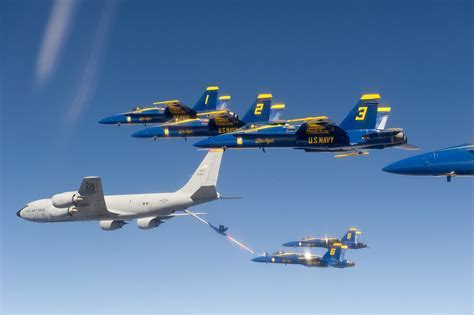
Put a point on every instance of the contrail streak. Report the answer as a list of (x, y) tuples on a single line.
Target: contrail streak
[(54, 38)]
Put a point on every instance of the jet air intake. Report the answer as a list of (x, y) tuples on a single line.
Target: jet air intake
[(66, 199)]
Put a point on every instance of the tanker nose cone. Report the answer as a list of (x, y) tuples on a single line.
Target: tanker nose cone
[(18, 213)]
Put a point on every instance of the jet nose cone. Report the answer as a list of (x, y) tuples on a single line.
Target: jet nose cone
[(149, 133), (260, 259), (395, 168), (290, 244), (213, 142), (113, 120), (206, 143), (410, 166)]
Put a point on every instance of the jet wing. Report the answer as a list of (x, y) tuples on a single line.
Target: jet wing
[(91, 191)]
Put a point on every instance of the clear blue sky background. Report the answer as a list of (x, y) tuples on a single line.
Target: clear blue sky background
[(316, 56)]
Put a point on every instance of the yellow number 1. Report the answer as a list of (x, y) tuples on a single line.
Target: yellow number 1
[(362, 112), (258, 109)]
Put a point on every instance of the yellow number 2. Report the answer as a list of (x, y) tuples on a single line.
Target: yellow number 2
[(362, 111), (258, 109)]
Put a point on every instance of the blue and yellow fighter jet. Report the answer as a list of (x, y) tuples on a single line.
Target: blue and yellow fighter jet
[(350, 239), (357, 131), (334, 257), (449, 162), (215, 122), (166, 110)]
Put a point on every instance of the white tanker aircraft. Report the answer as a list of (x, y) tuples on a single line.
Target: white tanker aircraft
[(113, 212)]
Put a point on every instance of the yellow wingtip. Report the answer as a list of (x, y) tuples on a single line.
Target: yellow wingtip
[(224, 98)]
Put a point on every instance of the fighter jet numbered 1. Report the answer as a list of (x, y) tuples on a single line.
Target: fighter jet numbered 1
[(163, 111)]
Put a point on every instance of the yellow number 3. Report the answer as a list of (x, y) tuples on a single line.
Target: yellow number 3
[(361, 113), (258, 109)]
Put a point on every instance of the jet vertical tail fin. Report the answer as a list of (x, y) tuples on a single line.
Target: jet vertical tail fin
[(335, 252), (260, 109), (202, 184), (352, 236), (208, 100), (364, 113), (382, 117)]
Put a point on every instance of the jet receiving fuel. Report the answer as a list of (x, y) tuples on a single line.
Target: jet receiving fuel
[(358, 131), (350, 239), (166, 110), (113, 212), (215, 123), (334, 257), (449, 162)]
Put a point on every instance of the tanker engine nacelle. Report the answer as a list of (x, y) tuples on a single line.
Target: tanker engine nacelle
[(62, 212), (110, 225), (66, 199), (148, 223)]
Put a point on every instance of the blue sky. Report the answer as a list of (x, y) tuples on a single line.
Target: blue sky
[(68, 64)]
